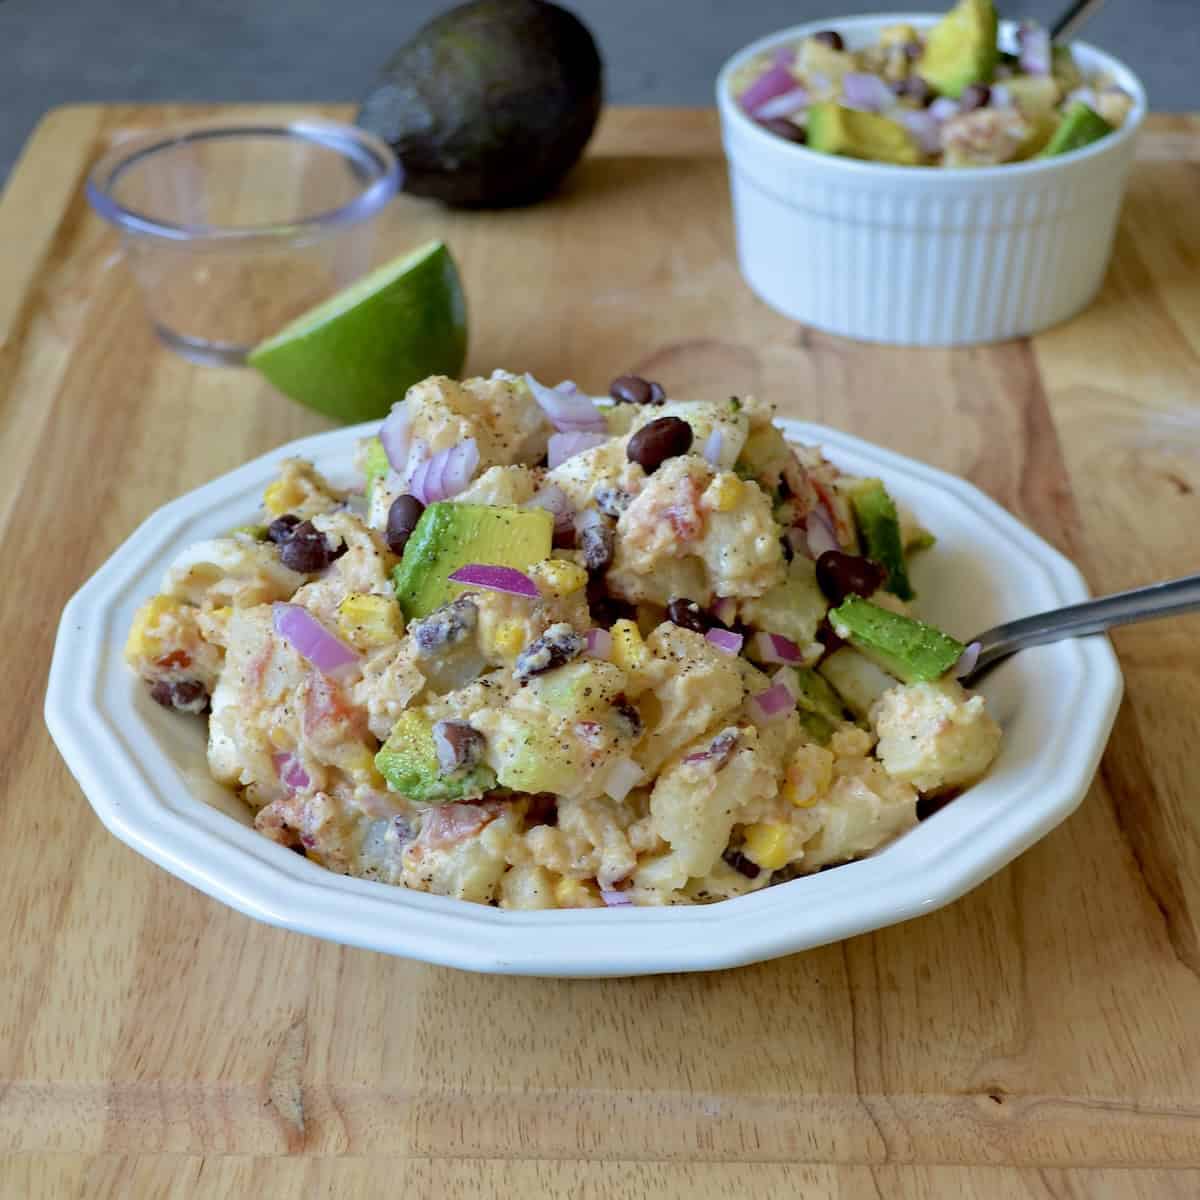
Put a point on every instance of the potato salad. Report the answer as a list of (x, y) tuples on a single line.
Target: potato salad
[(557, 651)]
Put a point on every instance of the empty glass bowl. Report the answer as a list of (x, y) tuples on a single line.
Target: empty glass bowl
[(231, 230)]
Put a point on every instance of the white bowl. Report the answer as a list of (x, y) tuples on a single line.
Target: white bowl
[(924, 256), (143, 768)]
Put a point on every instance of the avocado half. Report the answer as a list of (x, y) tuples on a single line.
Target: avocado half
[(490, 104)]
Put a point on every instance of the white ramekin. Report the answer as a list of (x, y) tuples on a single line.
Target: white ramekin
[(918, 255)]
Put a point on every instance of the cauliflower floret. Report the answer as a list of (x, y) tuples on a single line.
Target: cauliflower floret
[(985, 136), (230, 571), (511, 486), (391, 681), (602, 472), (461, 850), (934, 735), (301, 490)]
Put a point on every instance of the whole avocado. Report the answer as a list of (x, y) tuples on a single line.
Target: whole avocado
[(490, 104)]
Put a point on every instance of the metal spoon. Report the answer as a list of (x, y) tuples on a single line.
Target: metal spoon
[(1074, 18), (1093, 616)]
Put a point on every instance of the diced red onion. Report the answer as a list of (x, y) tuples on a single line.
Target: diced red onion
[(445, 474), (721, 748), (623, 775), (712, 447), (999, 96), (925, 128), (771, 83), (599, 643), (775, 648), (773, 704), (967, 660), (1033, 49), (782, 106), (725, 610), (784, 56), (496, 579), (819, 531), (615, 899), (569, 412), (566, 445), (943, 108), (785, 677), (291, 774), (866, 92), (725, 640), (396, 435), (312, 641), (558, 504)]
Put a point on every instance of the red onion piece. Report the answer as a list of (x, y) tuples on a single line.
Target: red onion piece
[(396, 435), (1000, 97), (725, 640), (925, 128), (566, 445), (312, 641), (599, 643), (784, 56), (786, 678), (943, 108), (712, 447), (967, 660), (291, 774), (866, 92), (615, 899), (623, 775), (818, 527), (771, 83), (725, 610), (496, 579), (775, 648), (783, 106), (445, 474), (569, 412), (773, 704), (1033, 49), (720, 748)]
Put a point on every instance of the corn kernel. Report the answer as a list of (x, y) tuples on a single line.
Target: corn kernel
[(559, 578), (725, 492), (141, 643), (359, 763), (509, 638), (281, 497), (768, 845), (574, 893), (628, 650), (809, 776), (365, 620)]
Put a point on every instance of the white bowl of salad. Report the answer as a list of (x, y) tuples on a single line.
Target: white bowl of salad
[(519, 682), (926, 180)]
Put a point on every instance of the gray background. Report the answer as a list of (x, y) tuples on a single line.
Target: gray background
[(657, 51)]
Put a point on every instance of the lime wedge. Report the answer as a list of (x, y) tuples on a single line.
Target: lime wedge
[(357, 353)]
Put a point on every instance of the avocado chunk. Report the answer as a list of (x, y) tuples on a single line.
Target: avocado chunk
[(449, 536), (531, 758), (490, 104), (794, 608), (833, 129), (908, 649), (375, 464), (961, 48), (856, 679), (1079, 126), (879, 528), (409, 763)]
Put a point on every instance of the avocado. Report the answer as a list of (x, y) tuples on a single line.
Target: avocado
[(961, 48), (408, 761), (490, 104), (879, 528), (583, 690), (449, 536), (531, 759), (820, 729), (833, 129), (856, 679), (814, 695), (375, 464), (1079, 126), (908, 649)]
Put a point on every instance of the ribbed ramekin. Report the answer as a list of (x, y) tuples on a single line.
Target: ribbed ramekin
[(924, 256)]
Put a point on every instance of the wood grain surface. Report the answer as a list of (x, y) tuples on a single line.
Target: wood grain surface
[(1039, 1038)]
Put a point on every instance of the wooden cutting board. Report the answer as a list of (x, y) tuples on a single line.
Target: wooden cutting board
[(1039, 1038)]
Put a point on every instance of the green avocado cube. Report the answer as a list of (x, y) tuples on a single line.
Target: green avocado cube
[(450, 535), (834, 129), (961, 48), (1079, 126), (408, 762), (879, 528), (908, 649)]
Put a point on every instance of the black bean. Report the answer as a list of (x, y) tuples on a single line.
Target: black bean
[(655, 442), (307, 550), (975, 96), (402, 519), (789, 130), (281, 528), (606, 610), (444, 627), (633, 389), (542, 810), (741, 864), (688, 615), (830, 38), (458, 745), (564, 536), (596, 541), (628, 716), (840, 575), (184, 695), (786, 547), (556, 647), (916, 90)]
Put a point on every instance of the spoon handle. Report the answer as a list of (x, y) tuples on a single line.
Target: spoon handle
[(1092, 616), (1074, 18)]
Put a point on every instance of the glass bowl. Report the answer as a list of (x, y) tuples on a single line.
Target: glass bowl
[(232, 230)]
